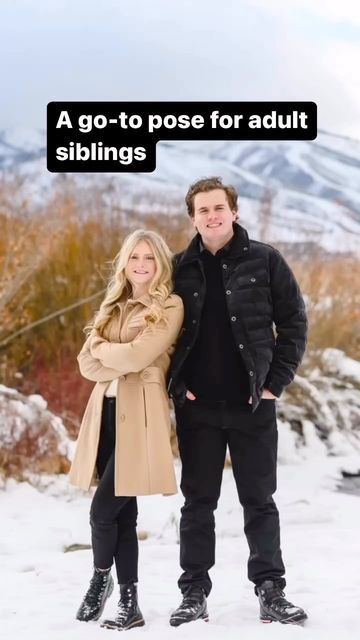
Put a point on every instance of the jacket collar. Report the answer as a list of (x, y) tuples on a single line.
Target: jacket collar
[(146, 300), (238, 246)]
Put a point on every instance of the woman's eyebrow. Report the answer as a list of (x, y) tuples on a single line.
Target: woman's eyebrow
[(147, 255)]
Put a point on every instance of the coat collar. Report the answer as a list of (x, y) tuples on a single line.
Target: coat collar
[(146, 300), (238, 245)]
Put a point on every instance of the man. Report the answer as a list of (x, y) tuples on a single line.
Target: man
[(226, 373)]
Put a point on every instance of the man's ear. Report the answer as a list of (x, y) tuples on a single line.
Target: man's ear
[(192, 218)]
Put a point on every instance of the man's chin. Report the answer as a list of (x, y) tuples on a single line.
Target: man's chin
[(215, 234)]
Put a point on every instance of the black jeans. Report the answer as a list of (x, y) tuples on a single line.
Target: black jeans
[(112, 518), (204, 432)]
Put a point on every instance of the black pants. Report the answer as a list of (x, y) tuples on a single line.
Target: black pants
[(204, 433), (112, 518)]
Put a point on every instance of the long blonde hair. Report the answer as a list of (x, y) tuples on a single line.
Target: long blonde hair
[(119, 287)]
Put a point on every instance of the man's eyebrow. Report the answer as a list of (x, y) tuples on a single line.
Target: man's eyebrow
[(216, 206)]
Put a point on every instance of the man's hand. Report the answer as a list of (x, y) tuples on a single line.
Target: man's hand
[(266, 395), (190, 396)]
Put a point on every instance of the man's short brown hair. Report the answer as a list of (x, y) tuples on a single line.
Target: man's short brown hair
[(209, 184)]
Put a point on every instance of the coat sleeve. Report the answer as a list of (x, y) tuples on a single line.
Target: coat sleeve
[(91, 368), (290, 322), (149, 344)]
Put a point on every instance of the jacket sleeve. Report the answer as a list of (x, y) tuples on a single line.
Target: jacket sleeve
[(149, 344), (91, 368), (290, 322)]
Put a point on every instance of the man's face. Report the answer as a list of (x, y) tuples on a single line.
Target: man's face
[(213, 217)]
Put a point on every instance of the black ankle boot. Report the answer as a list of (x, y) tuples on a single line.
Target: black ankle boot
[(128, 614), (192, 607), (275, 607), (100, 589)]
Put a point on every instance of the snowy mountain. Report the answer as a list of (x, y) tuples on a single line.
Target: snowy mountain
[(303, 191)]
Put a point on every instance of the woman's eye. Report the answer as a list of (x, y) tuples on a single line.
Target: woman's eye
[(150, 258)]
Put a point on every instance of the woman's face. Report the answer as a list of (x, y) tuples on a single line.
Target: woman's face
[(141, 266)]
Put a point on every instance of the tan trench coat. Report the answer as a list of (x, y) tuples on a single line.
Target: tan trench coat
[(139, 357)]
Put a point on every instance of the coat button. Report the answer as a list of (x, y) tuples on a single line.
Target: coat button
[(194, 321), (224, 266), (233, 318), (241, 346), (228, 292), (122, 378), (145, 375), (196, 294), (122, 417), (253, 279), (245, 249), (251, 373)]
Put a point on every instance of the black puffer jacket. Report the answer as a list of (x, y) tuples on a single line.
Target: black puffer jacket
[(260, 290)]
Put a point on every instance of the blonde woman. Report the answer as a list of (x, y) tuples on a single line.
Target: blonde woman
[(124, 439)]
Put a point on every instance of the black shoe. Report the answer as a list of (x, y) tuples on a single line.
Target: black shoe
[(100, 589), (275, 607), (193, 607), (128, 614)]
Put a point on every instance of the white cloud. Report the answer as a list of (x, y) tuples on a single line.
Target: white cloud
[(204, 50), (328, 10), (344, 64)]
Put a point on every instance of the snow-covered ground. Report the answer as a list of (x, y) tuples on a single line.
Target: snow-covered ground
[(41, 586)]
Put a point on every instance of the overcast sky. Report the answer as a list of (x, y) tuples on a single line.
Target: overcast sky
[(185, 50)]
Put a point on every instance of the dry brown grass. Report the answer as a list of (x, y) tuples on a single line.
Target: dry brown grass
[(331, 287)]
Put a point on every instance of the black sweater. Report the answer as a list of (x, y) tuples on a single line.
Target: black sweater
[(214, 370)]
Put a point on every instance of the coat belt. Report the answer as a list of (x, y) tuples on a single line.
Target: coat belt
[(150, 374)]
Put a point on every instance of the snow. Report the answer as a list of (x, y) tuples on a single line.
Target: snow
[(42, 586), (37, 399), (8, 390), (337, 362), (24, 417), (24, 138)]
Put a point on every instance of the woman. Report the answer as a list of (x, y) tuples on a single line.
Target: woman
[(124, 437)]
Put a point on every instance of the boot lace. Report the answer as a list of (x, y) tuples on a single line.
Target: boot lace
[(96, 588), (191, 600), (275, 598), (125, 604)]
